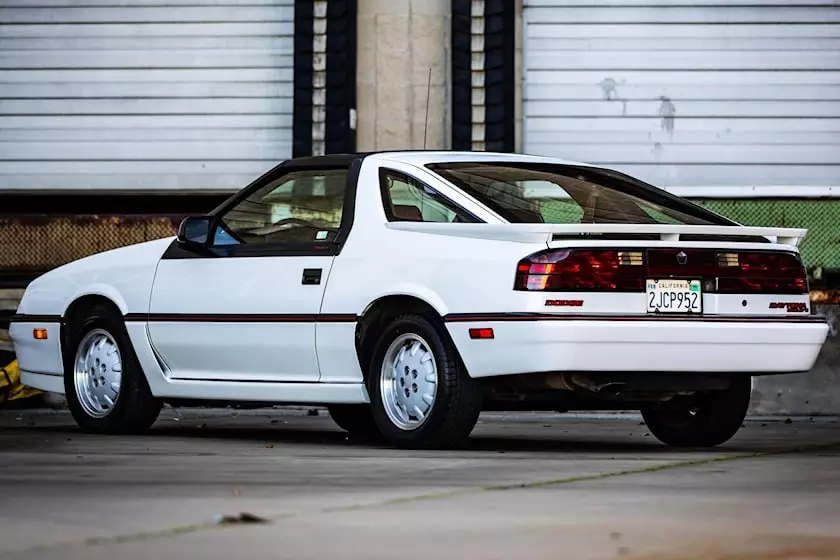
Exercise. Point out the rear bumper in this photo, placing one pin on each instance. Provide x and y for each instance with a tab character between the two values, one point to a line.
550	343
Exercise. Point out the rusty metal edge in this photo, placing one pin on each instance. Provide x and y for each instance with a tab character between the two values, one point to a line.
825	297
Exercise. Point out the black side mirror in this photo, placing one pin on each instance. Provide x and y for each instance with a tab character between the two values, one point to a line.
195	231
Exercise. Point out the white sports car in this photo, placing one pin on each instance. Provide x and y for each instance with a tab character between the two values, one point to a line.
408	291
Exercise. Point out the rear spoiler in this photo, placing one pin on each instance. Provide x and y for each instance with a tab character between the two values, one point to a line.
544	233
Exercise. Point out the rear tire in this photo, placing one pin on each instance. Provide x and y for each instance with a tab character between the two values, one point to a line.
421	394
106	390
354	418
708	420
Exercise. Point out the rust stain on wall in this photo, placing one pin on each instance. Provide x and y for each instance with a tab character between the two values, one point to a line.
668	113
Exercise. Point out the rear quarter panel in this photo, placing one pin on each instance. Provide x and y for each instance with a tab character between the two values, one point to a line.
452	274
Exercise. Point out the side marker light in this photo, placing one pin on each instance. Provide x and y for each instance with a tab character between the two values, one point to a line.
481	334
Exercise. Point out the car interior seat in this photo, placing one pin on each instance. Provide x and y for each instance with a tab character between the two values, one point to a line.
407	213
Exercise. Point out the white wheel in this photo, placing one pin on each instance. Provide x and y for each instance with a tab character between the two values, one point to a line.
421	395
409	381
103	381
97	373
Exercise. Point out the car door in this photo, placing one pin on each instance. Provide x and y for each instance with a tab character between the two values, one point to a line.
244	308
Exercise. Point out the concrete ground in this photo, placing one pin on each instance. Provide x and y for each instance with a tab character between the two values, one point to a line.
529	486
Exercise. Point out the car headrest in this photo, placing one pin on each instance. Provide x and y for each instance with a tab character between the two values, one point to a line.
407	213
334	184
526	216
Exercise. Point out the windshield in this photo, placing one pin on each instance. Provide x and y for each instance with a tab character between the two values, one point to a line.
560	194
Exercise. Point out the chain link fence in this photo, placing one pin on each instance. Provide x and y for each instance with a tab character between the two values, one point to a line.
33	244
821	217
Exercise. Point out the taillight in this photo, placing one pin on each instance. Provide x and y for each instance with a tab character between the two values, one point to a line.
581	270
761	272
733	272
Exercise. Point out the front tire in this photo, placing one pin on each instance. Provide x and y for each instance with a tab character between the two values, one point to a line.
421	394
707	421
105	387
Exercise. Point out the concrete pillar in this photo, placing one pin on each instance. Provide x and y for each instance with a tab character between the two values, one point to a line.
398	42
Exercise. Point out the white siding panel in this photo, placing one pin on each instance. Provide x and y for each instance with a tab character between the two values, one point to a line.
208	167
166	75
657	3
146	30
640	92
198	175
184	178
631	59
709	78
691	125
709	139
687	109
74	90
97	134
648	32
129	42
709	154
186	58
130	3
687	92
145	151
58	122
785	44
668	13
144	95
136	12
139	106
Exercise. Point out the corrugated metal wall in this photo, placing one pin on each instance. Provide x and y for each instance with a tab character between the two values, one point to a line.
144	94
689	94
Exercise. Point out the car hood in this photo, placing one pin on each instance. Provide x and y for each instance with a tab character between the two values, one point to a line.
124	275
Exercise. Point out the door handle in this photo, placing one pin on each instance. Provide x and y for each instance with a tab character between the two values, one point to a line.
311	276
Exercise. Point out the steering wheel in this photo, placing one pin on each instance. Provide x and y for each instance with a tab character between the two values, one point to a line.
277	226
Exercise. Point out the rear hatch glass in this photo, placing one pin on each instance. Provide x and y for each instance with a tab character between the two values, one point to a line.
560	194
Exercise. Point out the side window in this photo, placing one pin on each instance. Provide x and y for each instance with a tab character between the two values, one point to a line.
299	207
408	200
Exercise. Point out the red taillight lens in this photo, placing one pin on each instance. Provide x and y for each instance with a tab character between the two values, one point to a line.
581	270
761	272
570	270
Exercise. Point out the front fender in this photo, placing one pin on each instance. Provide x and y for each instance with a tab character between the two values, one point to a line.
103	290
124	276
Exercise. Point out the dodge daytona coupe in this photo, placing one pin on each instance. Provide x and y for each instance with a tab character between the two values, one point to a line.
409	291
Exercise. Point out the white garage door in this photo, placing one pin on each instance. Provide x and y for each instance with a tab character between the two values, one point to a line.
143	94
714	98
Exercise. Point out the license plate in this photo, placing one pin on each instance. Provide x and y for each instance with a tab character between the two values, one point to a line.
674	296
